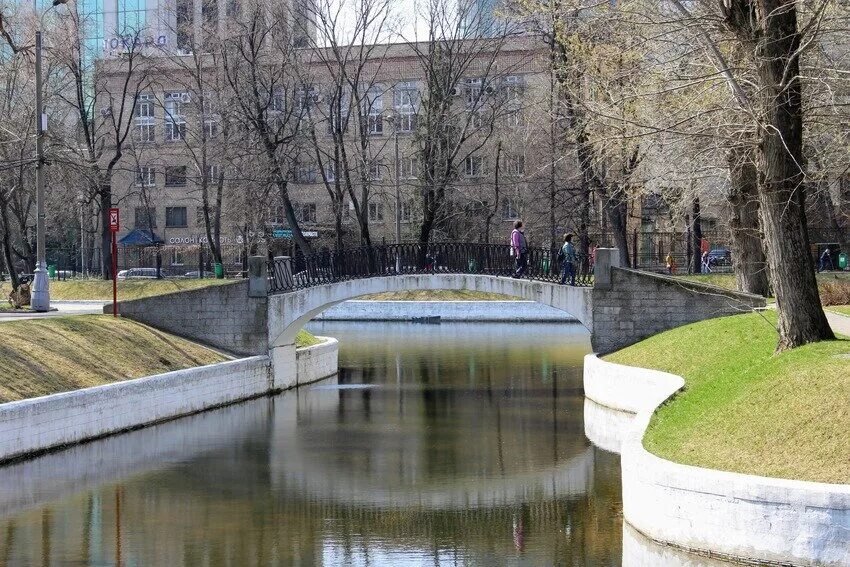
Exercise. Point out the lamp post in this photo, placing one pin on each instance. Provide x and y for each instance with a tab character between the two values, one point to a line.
40	297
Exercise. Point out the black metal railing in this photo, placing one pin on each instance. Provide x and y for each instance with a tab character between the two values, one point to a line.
288	274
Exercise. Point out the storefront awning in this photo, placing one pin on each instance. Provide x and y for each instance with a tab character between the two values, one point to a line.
141	237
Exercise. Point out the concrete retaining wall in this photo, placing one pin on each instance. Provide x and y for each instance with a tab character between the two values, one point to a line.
48	422
222	316
468	311
727	514
318	361
38	424
635	305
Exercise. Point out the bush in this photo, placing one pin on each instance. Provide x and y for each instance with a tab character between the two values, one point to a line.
834	292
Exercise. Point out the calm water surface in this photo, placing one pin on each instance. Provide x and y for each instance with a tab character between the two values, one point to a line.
436	445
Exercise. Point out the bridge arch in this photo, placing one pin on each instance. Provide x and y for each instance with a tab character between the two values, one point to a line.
289	312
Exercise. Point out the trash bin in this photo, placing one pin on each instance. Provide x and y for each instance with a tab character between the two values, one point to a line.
473	265
51	271
219	271
544	265
842	260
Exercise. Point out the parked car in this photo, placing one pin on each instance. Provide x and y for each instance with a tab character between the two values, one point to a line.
719	257
137	274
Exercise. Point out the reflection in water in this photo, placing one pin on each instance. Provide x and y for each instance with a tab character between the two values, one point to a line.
437	445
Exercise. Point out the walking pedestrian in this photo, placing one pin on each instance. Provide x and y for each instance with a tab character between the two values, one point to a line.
706	263
826	258
519	249
568	268
671	264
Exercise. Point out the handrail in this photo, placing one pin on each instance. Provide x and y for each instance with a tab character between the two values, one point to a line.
543	264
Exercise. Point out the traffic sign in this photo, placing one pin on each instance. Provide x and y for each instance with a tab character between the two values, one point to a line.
113	220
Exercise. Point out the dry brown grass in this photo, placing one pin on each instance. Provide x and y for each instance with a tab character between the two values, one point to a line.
58	354
834	290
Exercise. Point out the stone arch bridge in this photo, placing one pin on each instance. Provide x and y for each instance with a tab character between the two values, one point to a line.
619	306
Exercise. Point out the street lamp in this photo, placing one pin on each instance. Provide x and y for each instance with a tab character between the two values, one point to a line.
40	296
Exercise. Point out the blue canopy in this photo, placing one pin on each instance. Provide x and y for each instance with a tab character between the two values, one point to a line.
141	237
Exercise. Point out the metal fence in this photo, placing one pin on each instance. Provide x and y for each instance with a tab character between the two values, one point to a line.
287	274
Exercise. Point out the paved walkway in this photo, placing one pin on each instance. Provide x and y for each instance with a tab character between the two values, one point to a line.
839	323
62	308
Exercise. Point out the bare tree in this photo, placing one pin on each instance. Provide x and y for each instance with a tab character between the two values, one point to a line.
259	62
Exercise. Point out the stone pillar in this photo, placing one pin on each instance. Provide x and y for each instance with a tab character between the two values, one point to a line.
258	277
606	258
284	371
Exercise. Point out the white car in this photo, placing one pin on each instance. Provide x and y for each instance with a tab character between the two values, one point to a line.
137	274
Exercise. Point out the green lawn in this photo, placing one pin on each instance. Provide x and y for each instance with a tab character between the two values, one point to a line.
305	339
841	309
58	354
745	409
127	289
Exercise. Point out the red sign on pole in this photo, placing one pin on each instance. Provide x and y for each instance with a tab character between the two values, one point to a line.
113	220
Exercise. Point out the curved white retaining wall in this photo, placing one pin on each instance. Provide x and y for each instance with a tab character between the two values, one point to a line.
318	361
478	311
48	422
729	514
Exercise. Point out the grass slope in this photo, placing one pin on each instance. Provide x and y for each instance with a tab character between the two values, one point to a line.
305	339
745	409
127	289
58	354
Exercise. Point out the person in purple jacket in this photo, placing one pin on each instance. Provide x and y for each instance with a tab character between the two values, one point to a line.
519	249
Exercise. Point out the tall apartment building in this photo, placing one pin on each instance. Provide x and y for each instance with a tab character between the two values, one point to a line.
157	184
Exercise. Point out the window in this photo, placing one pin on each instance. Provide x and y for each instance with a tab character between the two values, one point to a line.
374	108
406	213
510	211
516	165
305	212
376	212
375	170
512	90
305	173
406	102
277	215
175	217
409	167
145	176
145	218
175	115
330	171
212	173
475	166
472	92
175	176
145	118
176	257
475	120
276	102
513	119
211	126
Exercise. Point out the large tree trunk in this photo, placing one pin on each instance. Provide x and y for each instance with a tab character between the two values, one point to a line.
616	207
781	187
696	232
748	261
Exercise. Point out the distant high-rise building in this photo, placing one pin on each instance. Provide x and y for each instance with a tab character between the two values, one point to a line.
479	16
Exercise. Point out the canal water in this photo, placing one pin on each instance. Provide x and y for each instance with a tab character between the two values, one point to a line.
453	444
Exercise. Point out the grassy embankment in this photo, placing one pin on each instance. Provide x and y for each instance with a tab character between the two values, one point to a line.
127	289
59	354
745	409
841	309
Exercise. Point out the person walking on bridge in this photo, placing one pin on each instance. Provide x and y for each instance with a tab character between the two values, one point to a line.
519	249
568	268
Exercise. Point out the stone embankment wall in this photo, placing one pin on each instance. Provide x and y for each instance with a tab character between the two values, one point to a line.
634	305
39	424
222	316
466	311
731	515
